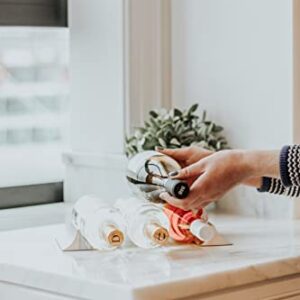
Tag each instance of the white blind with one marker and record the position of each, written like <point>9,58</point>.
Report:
<point>52,13</point>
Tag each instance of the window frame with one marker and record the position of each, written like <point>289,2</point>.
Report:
<point>39,13</point>
<point>27,195</point>
<point>50,13</point>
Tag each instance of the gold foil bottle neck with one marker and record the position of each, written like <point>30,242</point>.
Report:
<point>157,233</point>
<point>113,236</point>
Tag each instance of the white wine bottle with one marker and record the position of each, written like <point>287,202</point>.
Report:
<point>148,174</point>
<point>147,225</point>
<point>102,225</point>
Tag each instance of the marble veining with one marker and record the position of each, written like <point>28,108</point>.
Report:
<point>261,250</point>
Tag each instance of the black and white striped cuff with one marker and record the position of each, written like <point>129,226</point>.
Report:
<point>290,165</point>
<point>265,184</point>
<point>275,186</point>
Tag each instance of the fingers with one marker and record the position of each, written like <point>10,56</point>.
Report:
<point>200,195</point>
<point>193,201</point>
<point>183,204</point>
<point>191,171</point>
<point>177,154</point>
<point>187,155</point>
<point>191,180</point>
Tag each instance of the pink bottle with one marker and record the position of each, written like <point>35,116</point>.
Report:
<point>189,226</point>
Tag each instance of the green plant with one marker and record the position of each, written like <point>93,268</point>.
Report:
<point>175,129</point>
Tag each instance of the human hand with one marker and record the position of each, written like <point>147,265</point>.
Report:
<point>213,176</point>
<point>217,173</point>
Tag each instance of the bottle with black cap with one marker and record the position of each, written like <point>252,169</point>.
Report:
<point>148,173</point>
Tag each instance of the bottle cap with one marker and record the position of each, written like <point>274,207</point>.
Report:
<point>203,231</point>
<point>113,236</point>
<point>157,233</point>
<point>177,188</point>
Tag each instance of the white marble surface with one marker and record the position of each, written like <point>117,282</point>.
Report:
<point>262,250</point>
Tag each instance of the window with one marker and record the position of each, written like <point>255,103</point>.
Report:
<point>33,13</point>
<point>33,100</point>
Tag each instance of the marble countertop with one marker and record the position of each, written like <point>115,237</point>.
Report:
<point>261,250</point>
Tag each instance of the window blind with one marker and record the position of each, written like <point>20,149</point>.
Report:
<point>50,13</point>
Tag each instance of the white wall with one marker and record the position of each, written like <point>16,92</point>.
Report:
<point>116,76</point>
<point>97,76</point>
<point>95,163</point>
<point>148,58</point>
<point>235,58</point>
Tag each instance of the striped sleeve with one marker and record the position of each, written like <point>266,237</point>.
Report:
<point>275,186</point>
<point>290,165</point>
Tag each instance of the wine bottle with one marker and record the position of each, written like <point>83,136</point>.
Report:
<point>148,174</point>
<point>100,224</point>
<point>189,226</point>
<point>147,225</point>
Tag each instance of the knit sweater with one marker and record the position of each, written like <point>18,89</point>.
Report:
<point>275,186</point>
<point>289,182</point>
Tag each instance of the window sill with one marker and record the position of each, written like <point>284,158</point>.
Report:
<point>32,216</point>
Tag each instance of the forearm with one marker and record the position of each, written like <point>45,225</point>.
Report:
<point>284,164</point>
<point>262,163</point>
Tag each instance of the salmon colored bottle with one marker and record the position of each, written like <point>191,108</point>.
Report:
<point>189,226</point>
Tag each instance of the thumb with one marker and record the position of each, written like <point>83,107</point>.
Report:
<point>191,171</point>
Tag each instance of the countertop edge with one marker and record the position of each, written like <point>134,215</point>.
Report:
<point>241,276</point>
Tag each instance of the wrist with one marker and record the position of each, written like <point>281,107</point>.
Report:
<point>254,182</point>
<point>261,163</point>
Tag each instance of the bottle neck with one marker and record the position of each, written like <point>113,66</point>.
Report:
<point>112,235</point>
<point>176,188</point>
<point>157,233</point>
<point>203,231</point>
<point>156,180</point>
